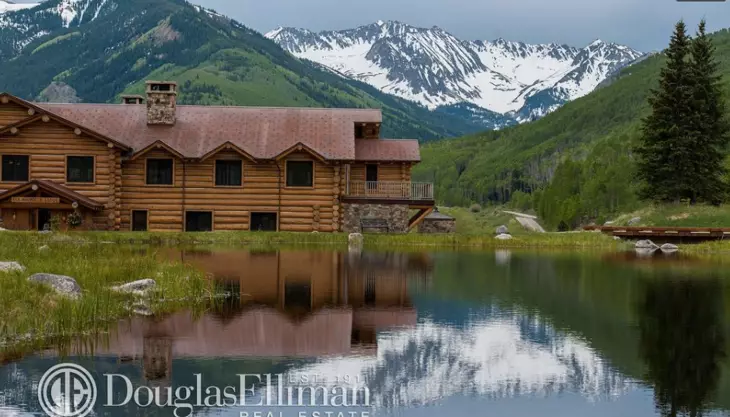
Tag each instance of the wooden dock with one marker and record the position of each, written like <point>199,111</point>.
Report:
<point>664,233</point>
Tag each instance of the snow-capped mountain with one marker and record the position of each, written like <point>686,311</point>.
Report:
<point>433,67</point>
<point>9,6</point>
<point>20,26</point>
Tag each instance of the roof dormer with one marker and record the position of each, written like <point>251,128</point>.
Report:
<point>367,130</point>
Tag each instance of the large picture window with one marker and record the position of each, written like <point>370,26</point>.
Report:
<point>263,222</point>
<point>299,174</point>
<point>198,221</point>
<point>159,171</point>
<point>15,168</point>
<point>80,169</point>
<point>228,173</point>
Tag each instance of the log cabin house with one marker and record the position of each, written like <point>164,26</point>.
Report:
<point>148,164</point>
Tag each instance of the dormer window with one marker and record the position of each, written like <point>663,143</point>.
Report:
<point>367,130</point>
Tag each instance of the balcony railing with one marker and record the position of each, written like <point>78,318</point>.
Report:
<point>395,190</point>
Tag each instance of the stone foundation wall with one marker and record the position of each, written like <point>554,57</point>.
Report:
<point>397,216</point>
<point>437,226</point>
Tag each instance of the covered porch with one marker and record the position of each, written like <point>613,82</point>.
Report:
<point>37,204</point>
<point>387,206</point>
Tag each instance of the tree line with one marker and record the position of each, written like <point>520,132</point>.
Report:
<point>684,139</point>
<point>678,155</point>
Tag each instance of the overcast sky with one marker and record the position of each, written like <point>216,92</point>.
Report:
<point>642,24</point>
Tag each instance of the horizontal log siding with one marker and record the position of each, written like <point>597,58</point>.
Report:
<point>231,205</point>
<point>48,144</point>
<point>12,113</point>
<point>386,172</point>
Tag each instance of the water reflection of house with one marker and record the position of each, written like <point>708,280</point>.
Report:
<point>300,304</point>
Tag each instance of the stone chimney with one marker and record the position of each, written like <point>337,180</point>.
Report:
<point>161,102</point>
<point>132,99</point>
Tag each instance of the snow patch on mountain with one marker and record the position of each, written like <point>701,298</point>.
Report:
<point>9,6</point>
<point>435,68</point>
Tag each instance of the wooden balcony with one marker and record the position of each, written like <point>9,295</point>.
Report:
<point>393,192</point>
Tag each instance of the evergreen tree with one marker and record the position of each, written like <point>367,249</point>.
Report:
<point>666,152</point>
<point>710,124</point>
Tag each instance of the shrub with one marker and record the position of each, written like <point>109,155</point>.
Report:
<point>475,208</point>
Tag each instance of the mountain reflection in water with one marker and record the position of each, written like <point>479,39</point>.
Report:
<point>514,334</point>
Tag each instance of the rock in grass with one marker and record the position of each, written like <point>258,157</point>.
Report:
<point>502,230</point>
<point>503,236</point>
<point>11,267</point>
<point>646,244</point>
<point>136,287</point>
<point>62,284</point>
<point>668,247</point>
<point>355,239</point>
<point>635,221</point>
<point>44,248</point>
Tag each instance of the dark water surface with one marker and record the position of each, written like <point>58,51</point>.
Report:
<point>428,334</point>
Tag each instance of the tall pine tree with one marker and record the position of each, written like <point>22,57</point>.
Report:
<point>710,124</point>
<point>666,151</point>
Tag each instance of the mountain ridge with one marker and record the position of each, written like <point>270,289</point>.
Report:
<point>95,50</point>
<point>517,80</point>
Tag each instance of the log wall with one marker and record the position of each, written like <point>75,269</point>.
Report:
<point>12,113</point>
<point>48,144</point>
<point>263,190</point>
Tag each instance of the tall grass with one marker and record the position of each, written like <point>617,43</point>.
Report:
<point>31,312</point>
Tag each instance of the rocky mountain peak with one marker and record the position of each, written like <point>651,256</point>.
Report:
<point>433,67</point>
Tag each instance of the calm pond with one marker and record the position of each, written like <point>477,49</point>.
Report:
<point>417,334</point>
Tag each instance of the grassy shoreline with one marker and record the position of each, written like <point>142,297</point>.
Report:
<point>34,314</point>
<point>458,240</point>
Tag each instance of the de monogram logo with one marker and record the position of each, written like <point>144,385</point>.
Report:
<point>67,390</point>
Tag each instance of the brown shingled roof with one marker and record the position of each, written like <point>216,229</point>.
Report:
<point>263,133</point>
<point>406,150</point>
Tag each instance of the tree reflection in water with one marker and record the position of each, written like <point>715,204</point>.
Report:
<point>682,342</point>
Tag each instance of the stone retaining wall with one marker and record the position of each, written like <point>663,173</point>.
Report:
<point>437,226</point>
<point>397,216</point>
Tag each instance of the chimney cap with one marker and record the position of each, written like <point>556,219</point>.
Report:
<point>169,87</point>
<point>148,82</point>
<point>132,99</point>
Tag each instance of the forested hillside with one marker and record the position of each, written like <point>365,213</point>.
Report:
<point>96,50</point>
<point>579,156</point>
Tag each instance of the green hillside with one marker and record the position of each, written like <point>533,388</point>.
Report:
<point>596,133</point>
<point>216,60</point>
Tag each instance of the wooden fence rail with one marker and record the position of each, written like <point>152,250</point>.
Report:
<point>391,189</point>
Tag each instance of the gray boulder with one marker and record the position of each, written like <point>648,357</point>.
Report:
<point>503,236</point>
<point>635,221</point>
<point>62,284</point>
<point>502,230</point>
<point>646,244</point>
<point>11,267</point>
<point>136,287</point>
<point>668,247</point>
